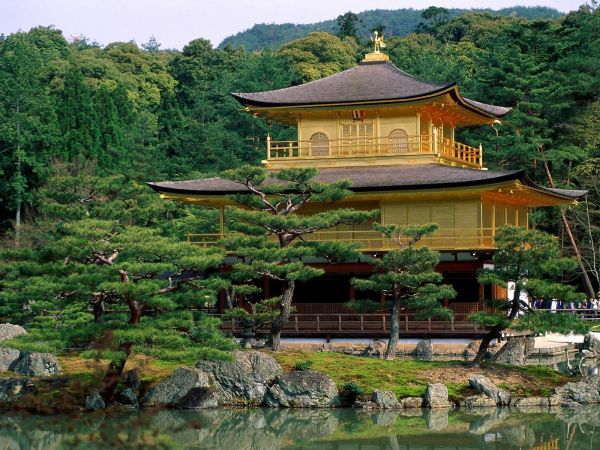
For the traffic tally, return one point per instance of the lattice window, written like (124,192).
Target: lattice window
(398,141)
(319,143)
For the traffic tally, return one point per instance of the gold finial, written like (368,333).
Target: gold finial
(376,55)
(377,41)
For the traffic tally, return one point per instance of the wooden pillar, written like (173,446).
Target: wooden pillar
(378,132)
(221,300)
(222,220)
(493,219)
(418,135)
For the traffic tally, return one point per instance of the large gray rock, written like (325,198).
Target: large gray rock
(9,331)
(424,349)
(479,401)
(515,352)
(592,343)
(376,348)
(436,396)
(411,402)
(489,389)
(303,389)
(94,402)
(385,400)
(530,402)
(472,348)
(172,389)
(585,392)
(13,388)
(37,365)
(199,398)
(243,381)
(128,397)
(8,357)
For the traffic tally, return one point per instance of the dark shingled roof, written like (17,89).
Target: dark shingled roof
(366,82)
(375,178)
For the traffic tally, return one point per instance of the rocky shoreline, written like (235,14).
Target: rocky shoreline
(255,379)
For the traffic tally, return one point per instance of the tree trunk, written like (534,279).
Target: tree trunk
(285,309)
(390,351)
(496,331)
(18,226)
(114,373)
(98,309)
(587,283)
(135,311)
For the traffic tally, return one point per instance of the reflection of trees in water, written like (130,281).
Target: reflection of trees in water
(272,429)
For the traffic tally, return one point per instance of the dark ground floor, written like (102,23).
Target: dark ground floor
(321,311)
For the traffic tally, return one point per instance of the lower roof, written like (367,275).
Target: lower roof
(378,178)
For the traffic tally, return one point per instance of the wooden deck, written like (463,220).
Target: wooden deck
(368,326)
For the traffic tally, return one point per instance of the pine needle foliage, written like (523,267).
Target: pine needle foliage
(532,260)
(111,280)
(407,280)
(274,229)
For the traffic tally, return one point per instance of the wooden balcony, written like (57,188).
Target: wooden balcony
(443,239)
(445,150)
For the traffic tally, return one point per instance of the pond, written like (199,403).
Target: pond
(342,429)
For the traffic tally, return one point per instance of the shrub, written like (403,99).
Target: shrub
(303,365)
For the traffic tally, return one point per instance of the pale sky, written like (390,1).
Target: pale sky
(176,22)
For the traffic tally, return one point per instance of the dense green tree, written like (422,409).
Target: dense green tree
(273,209)
(347,25)
(532,260)
(434,17)
(319,55)
(27,124)
(78,119)
(407,279)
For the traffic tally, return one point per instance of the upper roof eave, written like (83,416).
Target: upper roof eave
(367,84)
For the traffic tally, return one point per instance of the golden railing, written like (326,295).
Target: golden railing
(362,147)
(456,239)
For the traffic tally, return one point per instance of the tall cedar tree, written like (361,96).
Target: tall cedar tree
(532,260)
(274,206)
(407,279)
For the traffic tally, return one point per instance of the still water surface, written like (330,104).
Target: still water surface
(344,429)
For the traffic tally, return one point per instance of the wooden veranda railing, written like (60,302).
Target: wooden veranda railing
(443,239)
(446,149)
(366,325)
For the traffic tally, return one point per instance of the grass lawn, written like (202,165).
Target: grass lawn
(403,377)
(410,378)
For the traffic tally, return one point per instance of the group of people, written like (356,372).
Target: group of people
(554,304)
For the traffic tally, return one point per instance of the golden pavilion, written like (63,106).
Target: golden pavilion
(393,136)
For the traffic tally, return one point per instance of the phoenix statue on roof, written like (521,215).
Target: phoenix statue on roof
(378,41)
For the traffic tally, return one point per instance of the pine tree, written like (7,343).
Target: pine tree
(532,260)
(107,273)
(406,278)
(274,244)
